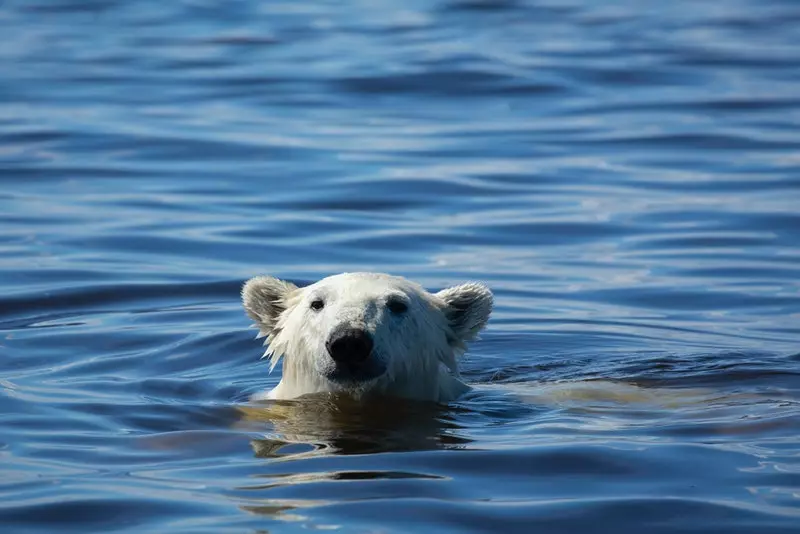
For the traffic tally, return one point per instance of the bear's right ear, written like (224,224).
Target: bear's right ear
(468,307)
(265,298)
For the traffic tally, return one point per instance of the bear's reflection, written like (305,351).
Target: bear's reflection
(330,424)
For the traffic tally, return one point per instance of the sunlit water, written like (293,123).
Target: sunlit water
(624,175)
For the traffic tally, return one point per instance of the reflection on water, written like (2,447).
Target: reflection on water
(333,424)
(577,438)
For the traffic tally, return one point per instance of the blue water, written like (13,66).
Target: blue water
(624,175)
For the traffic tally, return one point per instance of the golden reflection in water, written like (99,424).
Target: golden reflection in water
(330,424)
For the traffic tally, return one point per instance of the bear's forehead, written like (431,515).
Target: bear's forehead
(365,284)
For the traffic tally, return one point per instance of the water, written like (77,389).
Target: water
(624,175)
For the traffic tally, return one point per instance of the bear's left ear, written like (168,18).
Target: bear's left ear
(265,298)
(468,308)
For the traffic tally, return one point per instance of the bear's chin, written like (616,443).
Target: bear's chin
(353,375)
(360,375)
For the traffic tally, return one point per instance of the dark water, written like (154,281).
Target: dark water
(624,175)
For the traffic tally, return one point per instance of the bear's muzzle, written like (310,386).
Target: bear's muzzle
(349,347)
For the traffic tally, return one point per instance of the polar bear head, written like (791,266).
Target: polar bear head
(366,332)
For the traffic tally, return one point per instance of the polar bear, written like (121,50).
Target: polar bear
(366,333)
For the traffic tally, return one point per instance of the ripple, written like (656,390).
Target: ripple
(442,83)
(76,515)
(625,179)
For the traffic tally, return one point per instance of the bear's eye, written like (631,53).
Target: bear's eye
(397,306)
(317,305)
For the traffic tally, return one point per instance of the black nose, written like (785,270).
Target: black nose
(350,346)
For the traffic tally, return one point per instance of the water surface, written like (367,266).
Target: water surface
(624,175)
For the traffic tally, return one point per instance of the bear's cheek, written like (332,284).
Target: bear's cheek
(313,348)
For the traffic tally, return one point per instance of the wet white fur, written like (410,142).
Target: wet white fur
(420,348)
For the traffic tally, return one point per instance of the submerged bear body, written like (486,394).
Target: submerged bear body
(366,333)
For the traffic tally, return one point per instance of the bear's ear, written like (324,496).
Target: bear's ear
(265,298)
(468,308)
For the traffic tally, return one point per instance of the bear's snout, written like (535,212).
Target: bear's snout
(349,346)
